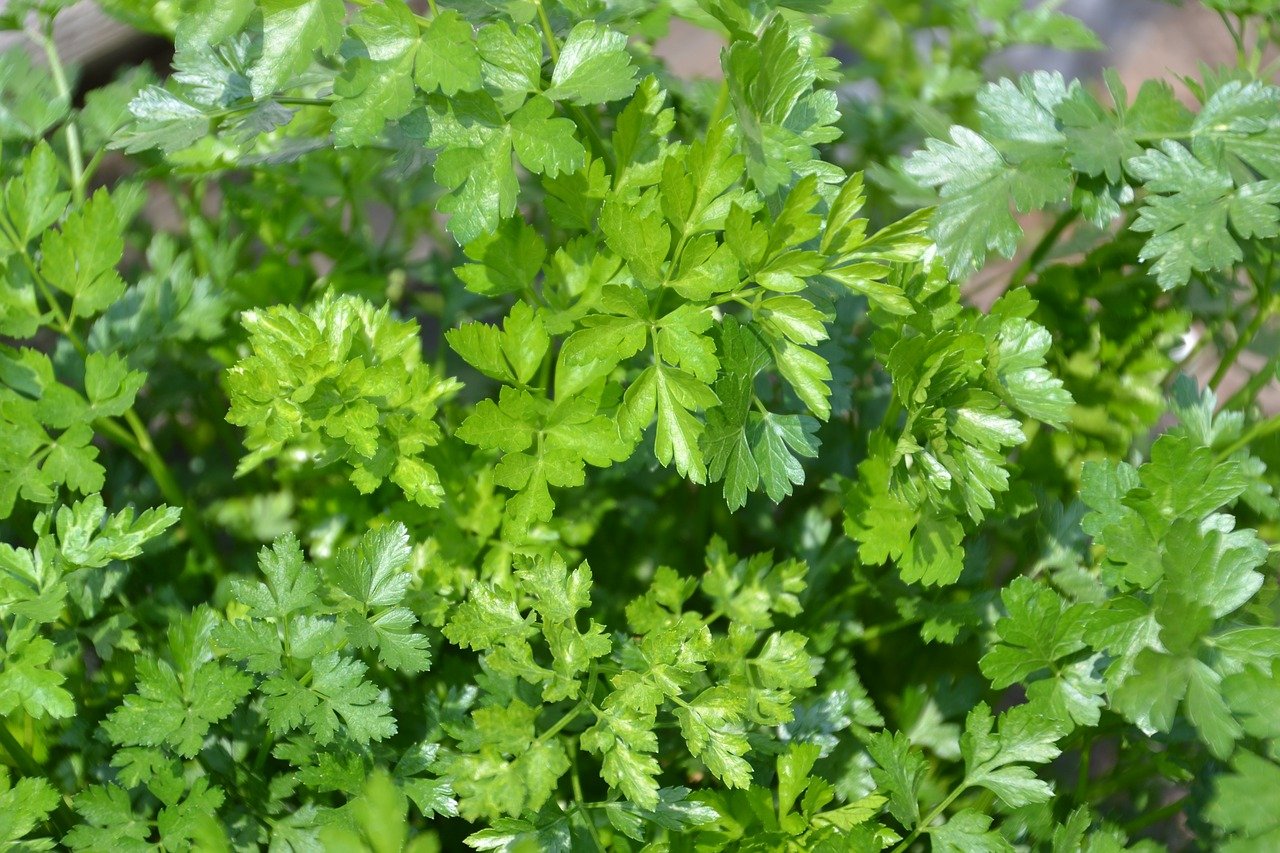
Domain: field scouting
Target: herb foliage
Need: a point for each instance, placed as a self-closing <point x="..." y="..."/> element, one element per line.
<point x="504" y="441"/>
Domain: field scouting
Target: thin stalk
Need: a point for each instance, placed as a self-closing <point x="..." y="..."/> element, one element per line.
<point x="1106" y="786"/>
<point x="27" y="766"/>
<point x="923" y="825"/>
<point x="1155" y="816"/>
<point x="1237" y="37"/>
<point x="1082" y="774"/>
<point x="553" y="46"/>
<point x="1043" y="247"/>
<point x="1264" y="313"/>
<point x="544" y="374"/>
<point x="581" y="118"/>
<point x="46" y="290"/>
<point x="1247" y="394"/>
<point x="74" y="156"/>
<point x="877" y="631"/>
<point x="588" y="125"/>
<point x="288" y="102"/>
<point x="574" y="712"/>
<point x="1259" y="430"/>
<point x="1260" y="43"/>
<point x="891" y="412"/>
<point x="144" y="451"/>
<point x="580" y="801"/>
<point x="721" y="105"/>
<point x="120" y="436"/>
<point x="298" y="102"/>
<point x="264" y="749"/>
<point x="21" y="758"/>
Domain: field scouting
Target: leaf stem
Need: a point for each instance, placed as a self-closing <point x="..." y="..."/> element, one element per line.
<point x="574" y="712"/>
<point x="549" y="34"/>
<point x="580" y="801"/>
<point x="1245" y="396"/>
<point x="1154" y="816"/>
<point x="27" y="766"/>
<point x="879" y="630"/>
<point x="544" y="373"/>
<point x="140" y="446"/>
<point x="586" y="123"/>
<point x="721" y="104"/>
<point x="1242" y="341"/>
<point x="891" y="412"/>
<point x="46" y="290"/>
<point x="299" y="102"/>
<point x="1259" y="430"/>
<point x="1082" y="772"/>
<point x="264" y="749"/>
<point x="1237" y="37"/>
<point x="923" y="825"/>
<point x="1042" y="248"/>
<point x="21" y="758"/>
<point x="59" y="74"/>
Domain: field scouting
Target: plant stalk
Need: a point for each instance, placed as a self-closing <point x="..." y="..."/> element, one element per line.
<point x="1043" y="247"/>
<point x="923" y="825"/>
<point x="74" y="156"/>
<point x="1264" y="313"/>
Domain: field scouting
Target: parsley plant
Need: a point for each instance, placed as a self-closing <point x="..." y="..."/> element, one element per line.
<point x="439" y="425"/>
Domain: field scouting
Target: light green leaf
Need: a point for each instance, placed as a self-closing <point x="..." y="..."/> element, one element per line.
<point x="594" y="67"/>
<point x="293" y="31"/>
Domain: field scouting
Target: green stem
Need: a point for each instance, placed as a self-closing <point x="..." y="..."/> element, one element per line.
<point x="877" y="631"/>
<point x="1237" y="38"/>
<point x="549" y="34"/>
<point x="298" y="102"/>
<point x="1264" y="313"/>
<point x="544" y="374"/>
<point x="1105" y="786"/>
<point x="588" y="125"/>
<point x="580" y="801"/>
<point x="21" y="758"/>
<point x="576" y="711"/>
<point x="1259" y="430"/>
<point x="27" y="766"/>
<point x="288" y="102"/>
<point x="140" y="446"/>
<point x="46" y="291"/>
<point x="891" y="412"/>
<point x="1042" y="248"/>
<point x="264" y="749"/>
<point x="923" y="826"/>
<point x="721" y="105"/>
<point x="1245" y="396"/>
<point x="59" y="74"/>
<point x="1082" y="774"/>
<point x="1155" y="816"/>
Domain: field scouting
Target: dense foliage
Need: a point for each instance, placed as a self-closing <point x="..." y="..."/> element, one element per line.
<point x="423" y="426"/>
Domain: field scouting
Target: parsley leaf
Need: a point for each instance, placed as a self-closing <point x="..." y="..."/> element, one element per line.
<point x="342" y="382"/>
